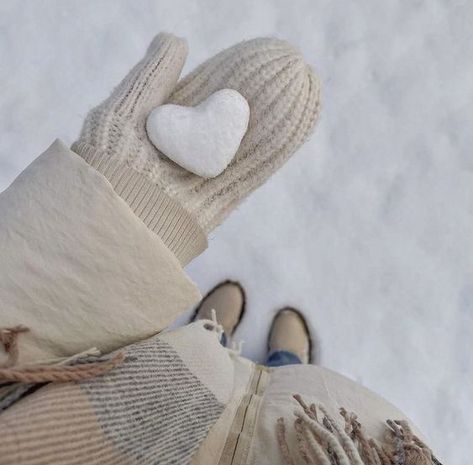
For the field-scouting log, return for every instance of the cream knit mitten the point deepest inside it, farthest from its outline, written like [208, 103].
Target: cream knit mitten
[179, 206]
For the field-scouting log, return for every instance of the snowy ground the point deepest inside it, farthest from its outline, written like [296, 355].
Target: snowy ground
[368, 229]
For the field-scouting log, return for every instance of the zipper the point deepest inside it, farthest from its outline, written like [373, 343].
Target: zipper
[237, 445]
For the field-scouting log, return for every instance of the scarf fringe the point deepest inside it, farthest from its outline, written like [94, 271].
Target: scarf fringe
[18, 382]
[323, 441]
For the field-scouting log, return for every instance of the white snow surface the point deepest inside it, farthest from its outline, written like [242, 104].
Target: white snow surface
[368, 229]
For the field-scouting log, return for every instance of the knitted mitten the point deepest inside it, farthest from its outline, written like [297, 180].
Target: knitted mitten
[179, 206]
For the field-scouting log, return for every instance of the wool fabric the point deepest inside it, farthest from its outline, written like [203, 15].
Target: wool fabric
[179, 206]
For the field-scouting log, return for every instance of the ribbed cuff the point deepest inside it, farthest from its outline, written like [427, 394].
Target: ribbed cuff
[176, 227]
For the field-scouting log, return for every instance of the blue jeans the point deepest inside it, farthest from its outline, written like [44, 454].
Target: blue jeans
[278, 358]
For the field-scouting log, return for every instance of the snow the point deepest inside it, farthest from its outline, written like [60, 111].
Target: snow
[368, 229]
[201, 139]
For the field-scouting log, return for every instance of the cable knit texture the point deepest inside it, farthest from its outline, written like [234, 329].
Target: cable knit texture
[181, 207]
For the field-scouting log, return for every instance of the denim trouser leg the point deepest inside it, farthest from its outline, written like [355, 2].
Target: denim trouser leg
[276, 358]
[280, 358]
[223, 340]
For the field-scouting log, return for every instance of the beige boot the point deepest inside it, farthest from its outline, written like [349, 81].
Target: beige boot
[290, 332]
[228, 300]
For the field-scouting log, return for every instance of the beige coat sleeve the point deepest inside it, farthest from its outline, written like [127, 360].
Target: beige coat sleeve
[77, 267]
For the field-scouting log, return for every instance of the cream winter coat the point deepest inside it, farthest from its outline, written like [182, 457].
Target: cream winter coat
[81, 271]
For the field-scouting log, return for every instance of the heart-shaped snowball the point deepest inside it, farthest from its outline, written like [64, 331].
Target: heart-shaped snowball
[202, 139]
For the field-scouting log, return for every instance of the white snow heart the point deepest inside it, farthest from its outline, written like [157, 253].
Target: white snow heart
[202, 139]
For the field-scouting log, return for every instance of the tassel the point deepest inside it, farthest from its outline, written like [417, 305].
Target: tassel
[322, 441]
[283, 447]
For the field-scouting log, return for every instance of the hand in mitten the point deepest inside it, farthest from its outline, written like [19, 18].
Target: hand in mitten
[83, 267]
[178, 205]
